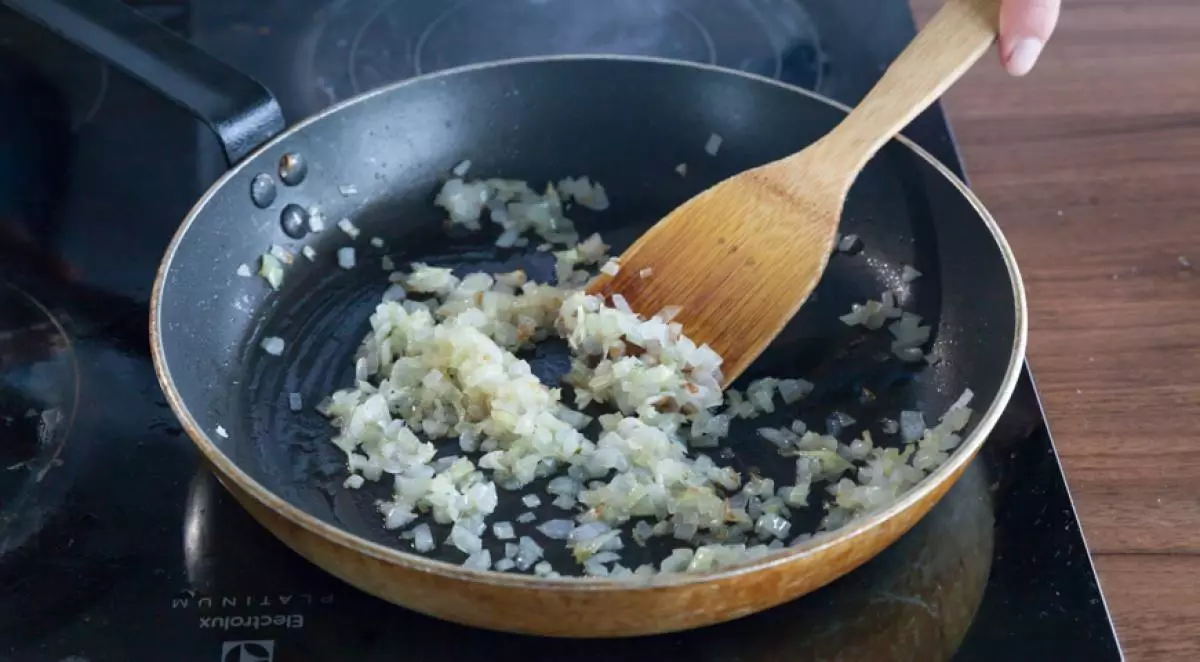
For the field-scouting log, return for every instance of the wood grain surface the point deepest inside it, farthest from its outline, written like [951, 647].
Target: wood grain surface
[1092, 167]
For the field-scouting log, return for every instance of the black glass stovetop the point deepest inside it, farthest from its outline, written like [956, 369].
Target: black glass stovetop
[116, 543]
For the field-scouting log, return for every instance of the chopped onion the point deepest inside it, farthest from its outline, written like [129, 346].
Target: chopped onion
[348, 190]
[346, 258]
[347, 226]
[273, 345]
[316, 220]
[244, 271]
[781, 438]
[962, 401]
[668, 313]
[563, 486]
[621, 304]
[873, 314]
[423, 538]
[309, 252]
[678, 561]
[583, 191]
[271, 270]
[713, 145]
[221, 432]
[795, 496]
[294, 402]
[282, 254]
[912, 425]
[557, 529]
[642, 532]
[528, 553]
[395, 292]
[464, 539]
[772, 525]
[481, 560]
[793, 390]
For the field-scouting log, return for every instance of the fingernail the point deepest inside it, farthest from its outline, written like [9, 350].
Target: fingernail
[1023, 56]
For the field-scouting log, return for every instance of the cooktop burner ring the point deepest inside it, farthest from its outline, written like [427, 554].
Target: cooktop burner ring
[702, 48]
[84, 87]
[39, 395]
[354, 46]
[97, 100]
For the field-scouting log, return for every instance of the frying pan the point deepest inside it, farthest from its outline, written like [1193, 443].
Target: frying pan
[626, 122]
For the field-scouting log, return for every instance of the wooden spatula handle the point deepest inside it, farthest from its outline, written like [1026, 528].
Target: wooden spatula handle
[952, 41]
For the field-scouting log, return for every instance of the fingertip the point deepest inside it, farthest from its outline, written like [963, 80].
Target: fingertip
[1021, 55]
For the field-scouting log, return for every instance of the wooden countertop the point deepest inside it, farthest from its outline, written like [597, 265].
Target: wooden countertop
[1092, 167]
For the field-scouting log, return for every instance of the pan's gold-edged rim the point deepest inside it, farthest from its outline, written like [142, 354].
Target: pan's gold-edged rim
[847, 534]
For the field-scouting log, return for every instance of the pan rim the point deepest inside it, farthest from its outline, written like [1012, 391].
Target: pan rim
[857, 528]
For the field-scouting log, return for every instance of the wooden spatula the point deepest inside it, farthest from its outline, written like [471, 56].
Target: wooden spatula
[741, 257]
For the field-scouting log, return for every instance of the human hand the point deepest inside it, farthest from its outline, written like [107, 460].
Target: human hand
[1025, 25]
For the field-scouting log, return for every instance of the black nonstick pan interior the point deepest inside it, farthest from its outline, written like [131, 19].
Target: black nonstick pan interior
[627, 123]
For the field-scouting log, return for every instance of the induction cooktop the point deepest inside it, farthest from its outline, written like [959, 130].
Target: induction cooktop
[117, 543]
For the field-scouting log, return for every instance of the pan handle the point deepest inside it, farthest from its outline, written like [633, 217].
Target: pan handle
[239, 109]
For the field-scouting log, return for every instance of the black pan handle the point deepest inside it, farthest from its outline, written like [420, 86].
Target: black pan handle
[239, 109]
